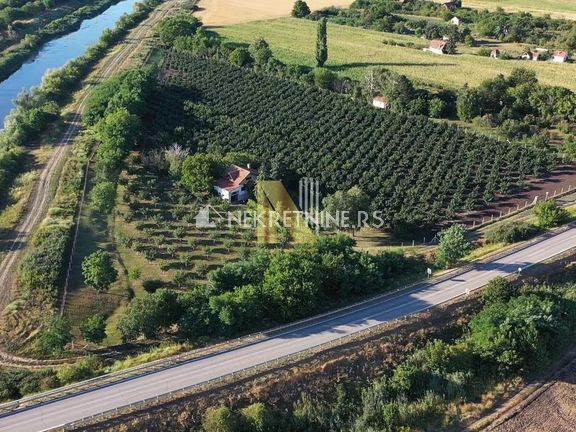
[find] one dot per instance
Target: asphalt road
(294, 340)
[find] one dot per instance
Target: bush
(54, 335)
(94, 328)
(519, 334)
(324, 78)
(511, 232)
(222, 419)
(85, 368)
(453, 246)
(484, 52)
(98, 270)
(16, 383)
(437, 108)
(549, 214)
(499, 290)
(300, 9)
(240, 57)
(150, 314)
(180, 25)
(42, 267)
(103, 196)
(134, 273)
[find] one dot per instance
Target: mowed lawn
(556, 8)
(353, 51)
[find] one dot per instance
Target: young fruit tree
(99, 271)
(453, 246)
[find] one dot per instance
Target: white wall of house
(238, 194)
(224, 194)
(380, 104)
(559, 59)
(435, 51)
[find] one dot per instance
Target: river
(58, 52)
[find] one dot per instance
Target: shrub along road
(292, 340)
(41, 196)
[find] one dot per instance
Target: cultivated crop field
(415, 170)
(224, 12)
(353, 51)
(156, 231)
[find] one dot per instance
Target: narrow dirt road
(41, 195)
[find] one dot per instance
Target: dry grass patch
(556, 8)
(226, 12)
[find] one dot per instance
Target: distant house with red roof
(233, 184)
(381, 102)
(561, 56)
(437, 46)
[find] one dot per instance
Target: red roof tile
(234, 177)
(438, 44)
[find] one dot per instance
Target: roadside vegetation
(267, 289)
(518, 331)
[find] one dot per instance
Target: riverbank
(58, 52)
(12, 58)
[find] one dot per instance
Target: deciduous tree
(300, 9)
(453, 245)
(94, 328)
(98, 270)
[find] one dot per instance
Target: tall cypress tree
(322, 43)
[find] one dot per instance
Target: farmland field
(156, 232)
(556, 8)
(352, 51)
(416, 171)
(224, 12)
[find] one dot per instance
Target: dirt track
(552, 410)
(42, 193)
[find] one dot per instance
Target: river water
(57, 53)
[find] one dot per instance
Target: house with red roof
(561, 56)
(437, 46)
(233, 186)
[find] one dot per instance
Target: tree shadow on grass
(343, 67)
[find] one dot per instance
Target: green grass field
(556, 8)
(353, 51)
